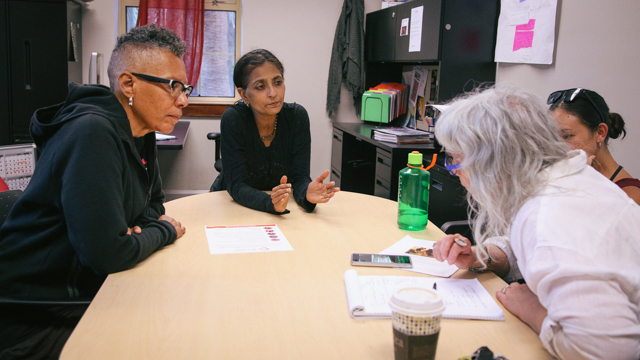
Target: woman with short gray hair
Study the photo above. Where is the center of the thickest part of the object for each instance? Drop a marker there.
(94, 205)
(571, 233)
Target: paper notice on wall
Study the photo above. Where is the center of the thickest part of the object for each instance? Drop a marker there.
(415, 31)
(526, 31)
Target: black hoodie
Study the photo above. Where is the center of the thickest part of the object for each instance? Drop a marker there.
(69, 229)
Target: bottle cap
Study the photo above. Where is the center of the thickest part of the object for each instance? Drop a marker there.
(417, 301)
(415, 158)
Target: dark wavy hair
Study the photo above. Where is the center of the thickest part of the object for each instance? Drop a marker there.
(584, 110)
(251, 60)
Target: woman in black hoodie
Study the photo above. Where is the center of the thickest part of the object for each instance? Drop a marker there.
(94, 204)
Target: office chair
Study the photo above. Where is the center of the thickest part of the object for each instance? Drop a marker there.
(215, 136)
(7, 199)
(3, 185)
(462, 227)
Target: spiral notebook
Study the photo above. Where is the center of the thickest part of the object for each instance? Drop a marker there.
(368, 296)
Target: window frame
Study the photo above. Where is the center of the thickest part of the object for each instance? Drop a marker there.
(200, 105)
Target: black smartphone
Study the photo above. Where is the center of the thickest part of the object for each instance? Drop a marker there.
(399, 261)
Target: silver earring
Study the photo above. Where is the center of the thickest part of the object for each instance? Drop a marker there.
(249, 106)
(131, 101)
(599, 145)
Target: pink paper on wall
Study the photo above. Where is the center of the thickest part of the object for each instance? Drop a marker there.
(528, 26)
(523, 39)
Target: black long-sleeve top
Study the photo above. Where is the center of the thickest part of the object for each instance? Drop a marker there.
(249, 167)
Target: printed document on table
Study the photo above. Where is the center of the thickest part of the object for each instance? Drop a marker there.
(421, 253)
(235, 239)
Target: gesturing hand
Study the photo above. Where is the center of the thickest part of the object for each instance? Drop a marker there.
(280, 195)
(447, 249)
(319, 192)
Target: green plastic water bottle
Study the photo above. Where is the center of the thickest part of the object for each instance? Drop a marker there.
(413, 194)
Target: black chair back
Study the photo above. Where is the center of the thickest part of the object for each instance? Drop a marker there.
(7, 199)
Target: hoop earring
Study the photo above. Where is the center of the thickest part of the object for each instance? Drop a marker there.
(131, 101)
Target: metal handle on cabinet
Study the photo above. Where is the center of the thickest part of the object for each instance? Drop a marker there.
(379, 183)
(27, 65)
(436, 185)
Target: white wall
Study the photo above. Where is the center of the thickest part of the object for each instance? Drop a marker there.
(98, 35)
(596, 48)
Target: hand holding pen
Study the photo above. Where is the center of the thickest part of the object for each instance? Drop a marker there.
(455, 249)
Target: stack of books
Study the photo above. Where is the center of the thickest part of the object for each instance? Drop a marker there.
(402, 135)
(384, 102)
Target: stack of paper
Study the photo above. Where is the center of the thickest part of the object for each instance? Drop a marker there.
(402, 135)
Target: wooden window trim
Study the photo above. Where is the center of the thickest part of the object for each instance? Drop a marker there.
(204, 110)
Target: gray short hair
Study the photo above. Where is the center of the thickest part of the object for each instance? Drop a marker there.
(506, 137)
(139, 46)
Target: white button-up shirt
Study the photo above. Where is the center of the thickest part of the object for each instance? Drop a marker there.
(577, 245)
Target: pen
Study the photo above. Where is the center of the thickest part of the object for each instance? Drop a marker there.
(435, 286)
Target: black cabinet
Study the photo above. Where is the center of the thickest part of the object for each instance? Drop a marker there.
(367, 166)
(431, 24)
(458, 37)
(33, 62)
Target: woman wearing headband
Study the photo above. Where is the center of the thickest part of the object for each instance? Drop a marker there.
(586, 123)
(571, 233)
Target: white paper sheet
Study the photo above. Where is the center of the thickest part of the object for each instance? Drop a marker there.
(161, 137)
(415, 31)
(421, 264)
(526, 31)
(234, 239)
(404, 27)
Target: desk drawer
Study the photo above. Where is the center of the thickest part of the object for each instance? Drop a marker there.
(336, 150)
(382, 188)
(335, 176)
(383, 165)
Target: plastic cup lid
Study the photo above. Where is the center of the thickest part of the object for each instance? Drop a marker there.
(417, 300)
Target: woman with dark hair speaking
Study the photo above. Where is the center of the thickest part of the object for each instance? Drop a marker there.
(266, 143)
(571, 233)
(585, 123)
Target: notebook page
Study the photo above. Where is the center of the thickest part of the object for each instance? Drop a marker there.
(464, 299)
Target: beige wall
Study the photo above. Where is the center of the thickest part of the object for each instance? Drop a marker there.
(596, 48)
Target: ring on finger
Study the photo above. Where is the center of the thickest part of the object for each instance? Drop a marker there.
(504, 289)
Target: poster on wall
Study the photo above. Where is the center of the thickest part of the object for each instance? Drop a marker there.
(526, 31)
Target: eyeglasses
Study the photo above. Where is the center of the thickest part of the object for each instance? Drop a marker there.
(448, 163)
(176, 86)
(570, 95)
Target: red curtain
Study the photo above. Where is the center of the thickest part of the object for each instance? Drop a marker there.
(186, 18)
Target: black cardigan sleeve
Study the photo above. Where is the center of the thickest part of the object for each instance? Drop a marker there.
(234, 166)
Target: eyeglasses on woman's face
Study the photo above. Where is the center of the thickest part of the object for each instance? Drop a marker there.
(176, 86)
(450, 165)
